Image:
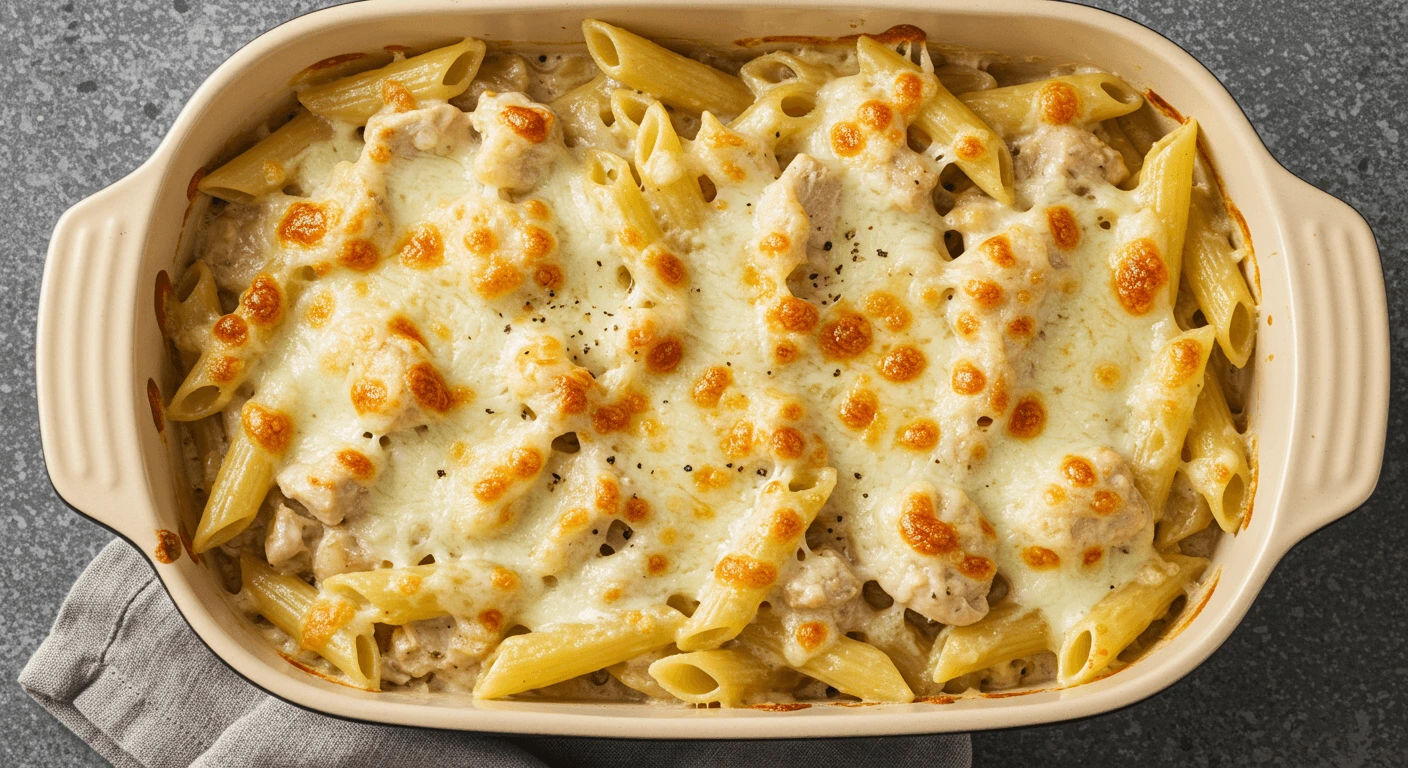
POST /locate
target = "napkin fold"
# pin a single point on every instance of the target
(121, 669)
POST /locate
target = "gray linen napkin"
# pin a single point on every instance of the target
(118, 665)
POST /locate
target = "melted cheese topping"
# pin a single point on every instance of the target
(478, 368)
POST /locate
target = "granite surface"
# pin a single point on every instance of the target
(1315, 675)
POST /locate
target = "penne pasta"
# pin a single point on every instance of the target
(1212, 276)
(1163, 409)
(441, 74)
(723, 676)
(674, 79)
(266, 166)
(1217, 460)
(1165, 187)
(1093, 643)
(849, 666)
(1077, 100)
(1007, 633)
(246, 475)
(564, 651)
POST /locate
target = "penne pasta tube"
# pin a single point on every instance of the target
(1163, 409)
(1006, 633)
(264, 167)
(1217, 465)
(782, 68)
(246, 475)
(1212, 276)
(674, 79)
(669, 183)
(188, 318)
(441, 74)
(1165, 186)
(229, 349)
(563, 651)
(585, 114)
(1078, 100)
(326, 627)
(946, 120)
(743, 577)
(779, 113)
(723, 676)
(1093, 643)
(850, 666)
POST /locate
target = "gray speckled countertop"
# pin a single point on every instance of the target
(1317, 674)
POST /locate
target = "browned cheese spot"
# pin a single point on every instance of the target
(774, 243)
(320, 309)
(967, 378)
(1065, 230)
(1028, 418)
(168, 547)
(998, 249)
(403, 327)
(548, 276)
(908, 92)
(570, 392)
(967, 325)
(503, 578)
(1184, 358)
(481, 241)
(532, 125)
(1140, 275)
(922, 531)
(664, 356)
(537, 243)
(786, 352)
(423, 247)
(903, 363)
(888, 309)
(710, 386)
(497, 278)
(921, 435)
(845, 337)
(1040, 558)
(607, 495)
(1105, 503)
(428, 388)
(395, 93)
(738, 443)
(637, 509)
(1091, 556)
(1021, 327)
(304, 224)
(858, 408)
(997, 394)
(794, 314)
(231, 330)
(984, 293)
(1055, 495)
(1108, 376)
(537, 209)
(322, 621)
(1060, 104)
(846, 139)
(525, 462)
(356, 463)
(610, 418)
(1078, 472)
(744, 572)
(975, 567)
(223, 369)
(811, 635)
(263, 303)
(492, 486)
(970, 148)
(359, 255)
(875, 115)
(787, 443)
(785, 526)
(656, 565)
(668, 268)
(368, 395)
(491, 619)
(269, 429)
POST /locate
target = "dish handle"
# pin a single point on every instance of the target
(88, 402)
(1340, 316)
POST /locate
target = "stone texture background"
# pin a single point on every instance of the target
(1315, 675)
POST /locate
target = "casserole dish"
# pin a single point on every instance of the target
(106, 455)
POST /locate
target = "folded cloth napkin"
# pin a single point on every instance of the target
(120, 664)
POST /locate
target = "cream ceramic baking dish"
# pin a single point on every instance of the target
(1319, 407)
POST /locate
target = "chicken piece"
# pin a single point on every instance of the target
(1083, 507)
(520, 140)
